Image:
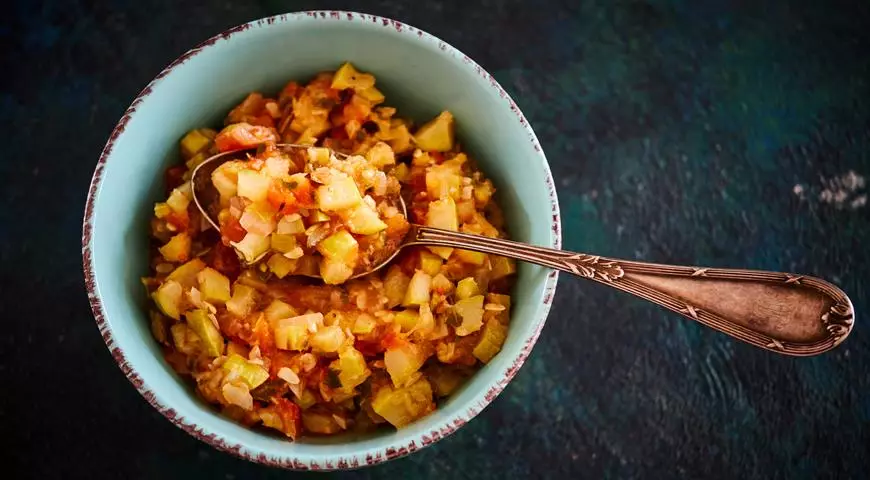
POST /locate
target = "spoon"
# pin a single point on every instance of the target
(785, 313)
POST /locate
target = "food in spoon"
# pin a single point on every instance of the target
(304, 211)
(302, 356)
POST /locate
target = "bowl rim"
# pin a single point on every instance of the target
(392, 450)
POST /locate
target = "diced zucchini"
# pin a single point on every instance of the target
(340, 193)
(418, 289)
(441, 284)
(177, 249)
(407, 319)
(502, 316)
(468, 256)
(371, 94)
(215, 287)
(400, 138)
(471, 312)
(283, 242)
(178, 201)
(290, 225)
(340, 247)
(465, 210)
(291, 336)
(306, 400)
(402, 361)
(321, 423)
(258, 218)
(317, 216)
(402, 406)
(444, 380)
(243, 300)
(251, 374)
(319, 155)
(442, 214)
(253, 185)
(467, 288)
(253, 246)
(327, 339)
(482, 193)
(348, 77)
(278, 310)
(201, 323)
(186, 273)
(502, 266)
(277, 167)
(381, 155)
(430, 263)
(194, 142)
(352, 369)
(168, 298)
(364, 220)
(364, 324)
(225, 178)
(280, 265)
(491, 340)
(395, 285)
(185, 339)
(162, 210)
(443, 181)
(401, 172)
(334, 272)
(437, 134)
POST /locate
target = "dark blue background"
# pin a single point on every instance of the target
(676, 130)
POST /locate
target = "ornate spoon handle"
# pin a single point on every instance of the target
(782, 312)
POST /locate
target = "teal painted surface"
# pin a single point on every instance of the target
(676, 130)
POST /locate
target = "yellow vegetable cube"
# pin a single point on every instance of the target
(339, 247)
(162, 210)
(502, 266)
(401, 172)
(177, 249)
(321, 423)
(471, 312)
(280, 265)
(317, 216)
(491, 340)
(404, 405)
(482, 193)
(278, 310)
(243, 300)
(444, 380)
(327, 339)
(306, 400)
(290, 225)
(403, 361)
(195, 141)
(253, 185)
(185, 339)
(225, 178)
(407, 319)
(468, 256)
(178, 201)
(395, 285)
(364, 324)
(186, 273)
(251, 374)
(199, 321)
(381, 155)
(283, 242)
(334, 272)
(348, 77)
(467, 288)
(437, 134)
(400, 138)
(319, 155)
(442, 214)
(441, 284)
(430, 263)
(364, 220)
(340, 193)
(168, 298)
(372, 94)
(253, 246)
(215, 287)
(443, 181)
(418, 289)
(352, 369)
(258, 218)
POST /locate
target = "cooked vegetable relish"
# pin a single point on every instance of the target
(309, 357)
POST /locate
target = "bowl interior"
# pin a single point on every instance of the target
(421, 77)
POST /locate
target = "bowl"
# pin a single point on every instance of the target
(421, 75)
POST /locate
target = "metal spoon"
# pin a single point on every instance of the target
(781, 312)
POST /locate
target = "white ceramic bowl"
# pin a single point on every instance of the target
(421, 75)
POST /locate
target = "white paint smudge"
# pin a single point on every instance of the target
(844, 191)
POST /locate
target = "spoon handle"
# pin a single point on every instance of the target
(781, 312)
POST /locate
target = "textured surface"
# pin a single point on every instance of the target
(693, 132)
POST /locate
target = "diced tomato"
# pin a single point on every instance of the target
(243, 135)
(232, 230)
(408, 261)
(174, 177)
(261, 335)
(368, 348)
(291, 417)
(418, 182)
(437, 156)
(391, 340)
(304, 193)
(230, 325)
(180, 220)
(280, 360)
(338, 133)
